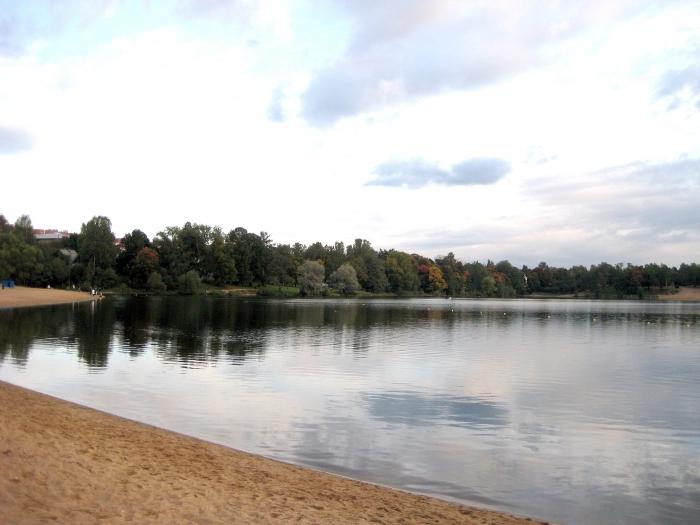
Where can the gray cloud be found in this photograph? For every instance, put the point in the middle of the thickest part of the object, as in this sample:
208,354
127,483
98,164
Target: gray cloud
416,173
13,140
431,46
673,84
478,171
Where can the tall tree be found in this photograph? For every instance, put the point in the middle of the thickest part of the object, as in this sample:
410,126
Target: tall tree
401,272
142,266
370,269
220,260
24,229
96,243
131,244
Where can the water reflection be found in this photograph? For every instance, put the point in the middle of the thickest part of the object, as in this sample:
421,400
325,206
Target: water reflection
418,409
92,334
576,411
20,328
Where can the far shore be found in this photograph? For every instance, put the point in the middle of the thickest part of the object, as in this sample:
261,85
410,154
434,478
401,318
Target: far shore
23,296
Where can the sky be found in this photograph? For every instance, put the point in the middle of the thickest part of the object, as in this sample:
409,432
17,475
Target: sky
566,132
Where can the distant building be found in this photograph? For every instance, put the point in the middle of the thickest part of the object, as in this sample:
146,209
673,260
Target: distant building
50,235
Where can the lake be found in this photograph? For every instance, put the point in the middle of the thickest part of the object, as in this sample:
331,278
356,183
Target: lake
569,410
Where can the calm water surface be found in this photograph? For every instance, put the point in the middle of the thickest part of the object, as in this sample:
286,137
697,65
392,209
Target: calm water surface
574,411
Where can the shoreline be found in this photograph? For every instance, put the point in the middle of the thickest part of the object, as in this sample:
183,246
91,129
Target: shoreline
67,463
684,294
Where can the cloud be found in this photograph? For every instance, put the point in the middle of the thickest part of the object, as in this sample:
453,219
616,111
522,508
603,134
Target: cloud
22,23
678,85
13,140
478,171
275,111
638,213
225,11
645,203
433,46
416,173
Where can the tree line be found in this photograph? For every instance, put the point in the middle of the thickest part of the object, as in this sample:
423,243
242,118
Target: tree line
189,258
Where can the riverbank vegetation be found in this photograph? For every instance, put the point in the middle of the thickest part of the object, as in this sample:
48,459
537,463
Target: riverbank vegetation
197,258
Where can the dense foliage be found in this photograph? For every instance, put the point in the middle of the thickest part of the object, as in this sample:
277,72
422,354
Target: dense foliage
187,259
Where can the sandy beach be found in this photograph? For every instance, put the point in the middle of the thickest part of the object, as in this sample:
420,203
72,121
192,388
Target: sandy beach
22,296
64,463
685,294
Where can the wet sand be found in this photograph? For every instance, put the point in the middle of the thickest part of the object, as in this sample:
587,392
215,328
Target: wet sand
21,296
64,463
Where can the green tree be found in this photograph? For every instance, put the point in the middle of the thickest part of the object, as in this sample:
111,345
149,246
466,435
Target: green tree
58,271
283,265
24,230
371,272
181,250
19,259
513,277
131,244
253,256
106,278
344,279
401,272
220,260
310,278
155,283
189,283
488,286
96,243
142,266
454,273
